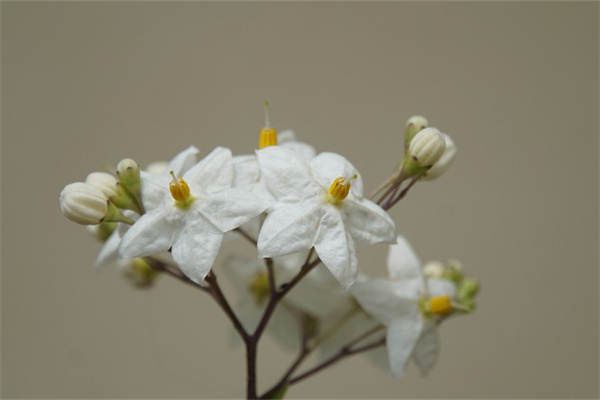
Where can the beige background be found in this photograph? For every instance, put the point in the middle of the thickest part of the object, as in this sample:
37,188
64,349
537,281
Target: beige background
515,84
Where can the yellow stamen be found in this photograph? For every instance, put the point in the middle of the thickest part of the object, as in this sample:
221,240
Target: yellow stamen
179,189
259,287
268,134
440,305
339,189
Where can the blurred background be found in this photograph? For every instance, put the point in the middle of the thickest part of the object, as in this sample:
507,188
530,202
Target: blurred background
515,84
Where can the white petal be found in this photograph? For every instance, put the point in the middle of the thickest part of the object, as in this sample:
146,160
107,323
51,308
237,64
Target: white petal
403,262
155,190
326,167
196,249
153,233
213,173
426,350
246,171
287,175
286,136
289,228
336,248
368,222
379,298
109,252
183,161
230,208
441,287
401,338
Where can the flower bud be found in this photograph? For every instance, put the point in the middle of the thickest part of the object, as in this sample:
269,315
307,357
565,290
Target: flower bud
445,160
433,269
467,290
103,181
83,203
113,189
128,173
103,230
453,271
424,150
414,125
138,272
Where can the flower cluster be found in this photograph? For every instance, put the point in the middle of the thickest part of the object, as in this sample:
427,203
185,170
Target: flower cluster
304,213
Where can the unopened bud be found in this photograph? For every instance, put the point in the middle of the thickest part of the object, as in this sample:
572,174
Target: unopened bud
414,125
453,271
103,230
433,269
128,174
83,203
138,272
424,150
467,290
445,160
113,189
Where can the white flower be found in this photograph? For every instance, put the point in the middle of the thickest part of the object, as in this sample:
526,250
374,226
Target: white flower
321,205
251,283
407,305
190,215
179,164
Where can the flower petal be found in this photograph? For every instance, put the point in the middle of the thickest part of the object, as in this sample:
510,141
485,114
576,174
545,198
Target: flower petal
441,287
368,222
403,262
401,338
213,173
379,298
155,190
289,228
336,248
153,233
109,252
196,249
287,175
230,208
183,161
426,349
326,167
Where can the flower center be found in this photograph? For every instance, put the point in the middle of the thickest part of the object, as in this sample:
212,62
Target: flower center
180,191
259,287
339,189
440,305
268,134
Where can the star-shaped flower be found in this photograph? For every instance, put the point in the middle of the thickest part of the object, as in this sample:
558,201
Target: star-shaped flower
320,204
408,306
179,164
190,214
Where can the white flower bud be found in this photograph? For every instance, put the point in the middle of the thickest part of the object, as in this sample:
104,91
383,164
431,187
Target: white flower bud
445,160
84,204
103,181
434,269
414,125
424,150
427,147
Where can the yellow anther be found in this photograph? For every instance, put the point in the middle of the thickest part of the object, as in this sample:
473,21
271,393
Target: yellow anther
268,137
268,134
440,305
340,188
179,189
259,287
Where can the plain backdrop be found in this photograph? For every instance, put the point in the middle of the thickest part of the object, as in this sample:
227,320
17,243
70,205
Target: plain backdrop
515,84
